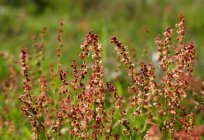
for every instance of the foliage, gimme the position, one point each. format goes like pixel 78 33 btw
pixel 136 92
pixel 84 105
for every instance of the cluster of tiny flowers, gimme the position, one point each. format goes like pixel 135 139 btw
pixel 38 55
pixel 8 86
pixel 177 69
pixel 142 83
pixel 202 94
pixel 92 94
pixel 164 49
pixel 29 109
pixel 123 53
pixel 86 105
pixel 59 37
pixel 24 67
pixel 44 101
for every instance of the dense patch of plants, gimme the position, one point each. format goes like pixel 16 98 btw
pixel 83 105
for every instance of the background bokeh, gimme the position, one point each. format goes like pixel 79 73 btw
pixel 134 22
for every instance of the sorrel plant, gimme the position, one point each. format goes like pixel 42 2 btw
pixel 83 105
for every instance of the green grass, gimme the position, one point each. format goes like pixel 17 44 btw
pixel 136 23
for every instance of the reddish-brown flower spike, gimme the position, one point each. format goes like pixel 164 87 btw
pixel 202 94
pixel 52 72
pixel 24 68
pixel 123 53
pixel 59 39
pixel 113 39
pixel 88 114
pixel 23 61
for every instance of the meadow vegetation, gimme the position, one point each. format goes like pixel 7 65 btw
pixel 52 89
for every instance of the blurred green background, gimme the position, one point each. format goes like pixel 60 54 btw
pixel 134 22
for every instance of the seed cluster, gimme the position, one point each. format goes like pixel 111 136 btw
pixel 177 68
pixel 86 106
